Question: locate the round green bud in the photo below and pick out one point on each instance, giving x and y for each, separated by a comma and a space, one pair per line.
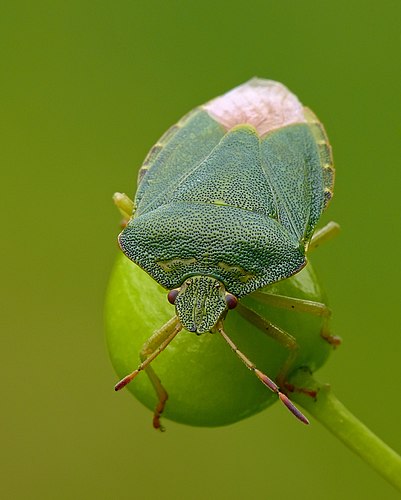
206, 382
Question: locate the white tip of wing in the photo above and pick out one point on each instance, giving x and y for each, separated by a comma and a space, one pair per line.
264, 104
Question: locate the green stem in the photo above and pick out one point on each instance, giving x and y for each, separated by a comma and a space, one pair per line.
330, 412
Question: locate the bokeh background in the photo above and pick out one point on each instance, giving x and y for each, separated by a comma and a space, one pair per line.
86, 89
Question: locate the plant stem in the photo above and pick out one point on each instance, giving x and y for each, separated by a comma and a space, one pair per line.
330, 412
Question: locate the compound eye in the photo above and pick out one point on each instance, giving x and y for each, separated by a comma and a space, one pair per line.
231, 300
172, 295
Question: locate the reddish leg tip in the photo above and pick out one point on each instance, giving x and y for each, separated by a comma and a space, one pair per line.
333, 340
126, 380
293, 409
119, 386
159, 427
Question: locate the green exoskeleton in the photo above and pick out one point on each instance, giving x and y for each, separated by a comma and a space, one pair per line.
227, 203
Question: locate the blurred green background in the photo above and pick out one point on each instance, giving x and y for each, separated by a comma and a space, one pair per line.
87, 88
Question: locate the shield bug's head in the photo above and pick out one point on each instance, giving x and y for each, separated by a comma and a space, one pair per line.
200, 302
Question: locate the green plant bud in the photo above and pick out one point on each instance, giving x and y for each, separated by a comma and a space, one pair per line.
206, 382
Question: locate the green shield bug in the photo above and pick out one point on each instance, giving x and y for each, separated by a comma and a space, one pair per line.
227, 204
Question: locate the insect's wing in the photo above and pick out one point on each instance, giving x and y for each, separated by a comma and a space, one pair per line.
221, 220
232, 175
234, 190
179, 151
325, 153
279, 175
295, 153
292, 164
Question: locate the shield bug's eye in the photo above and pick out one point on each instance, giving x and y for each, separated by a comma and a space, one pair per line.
172, 295
231, 300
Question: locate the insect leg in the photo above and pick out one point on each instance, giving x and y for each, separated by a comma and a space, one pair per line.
301, 305
150, 350
293, 303
262, 377
162, 397
324, 234
281, 336
125, 205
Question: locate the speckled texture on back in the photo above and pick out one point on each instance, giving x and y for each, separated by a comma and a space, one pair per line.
175, 155
231, 204
244, 250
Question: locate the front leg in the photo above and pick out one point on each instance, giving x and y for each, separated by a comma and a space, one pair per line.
285, 339
301, 305
150, 350
281, 336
